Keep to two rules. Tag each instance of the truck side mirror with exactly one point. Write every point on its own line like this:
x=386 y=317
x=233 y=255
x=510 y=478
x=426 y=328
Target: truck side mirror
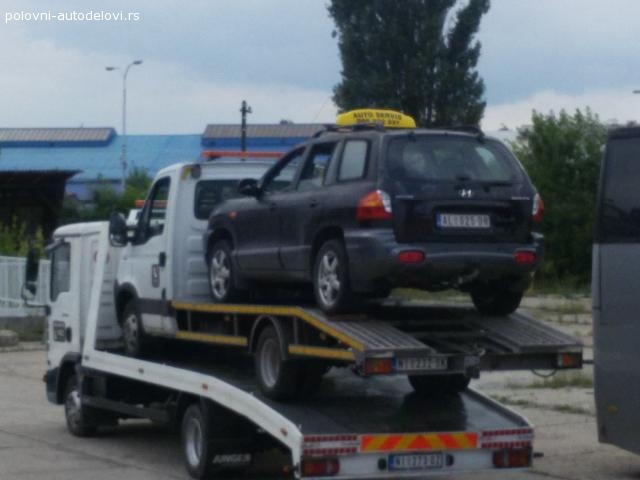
x=117 y=230
x=32 y=265
x=249 y=187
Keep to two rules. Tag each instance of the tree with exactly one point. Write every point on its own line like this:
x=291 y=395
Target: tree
x=409 y=55
x=562 y=155
x=105 y=199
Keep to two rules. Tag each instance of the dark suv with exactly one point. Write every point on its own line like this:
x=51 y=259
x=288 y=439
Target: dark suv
x=359 y=211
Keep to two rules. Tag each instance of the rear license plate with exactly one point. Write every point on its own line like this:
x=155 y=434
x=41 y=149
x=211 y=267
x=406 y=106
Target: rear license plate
x=408 y=364
x=424 y=461
x=455 y=220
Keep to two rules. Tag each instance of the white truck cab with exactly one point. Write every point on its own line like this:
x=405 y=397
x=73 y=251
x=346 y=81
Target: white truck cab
x=163 y=258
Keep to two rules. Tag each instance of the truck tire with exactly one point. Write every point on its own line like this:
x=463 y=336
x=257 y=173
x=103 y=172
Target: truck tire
x=435 y=385
x=196 y=442
x=78 y=416
x=278 y=379
x=331 y=283
x=135 y=341
x=223 y=274
x=495 y=299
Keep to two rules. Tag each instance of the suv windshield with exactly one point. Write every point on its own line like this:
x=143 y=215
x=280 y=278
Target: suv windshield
x=438 y=158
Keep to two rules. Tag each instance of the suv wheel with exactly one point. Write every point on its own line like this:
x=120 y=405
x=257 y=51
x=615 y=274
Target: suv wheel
x=496 y=299
x=331 y=278
x=222 y=273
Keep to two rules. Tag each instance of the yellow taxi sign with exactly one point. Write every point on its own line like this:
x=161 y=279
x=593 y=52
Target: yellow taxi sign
x=386 y=118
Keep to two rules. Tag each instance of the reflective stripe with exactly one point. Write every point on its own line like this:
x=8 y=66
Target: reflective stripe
x=322 y=352
x=269 y=310
x=210 y=338
x=415 y=442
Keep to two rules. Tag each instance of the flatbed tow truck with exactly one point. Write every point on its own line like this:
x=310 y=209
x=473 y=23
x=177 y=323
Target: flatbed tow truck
x=353 y=427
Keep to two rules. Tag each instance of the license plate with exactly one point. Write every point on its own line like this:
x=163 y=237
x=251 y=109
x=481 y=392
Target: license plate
x=454 y=220
x=408 y=364
x=424 y=461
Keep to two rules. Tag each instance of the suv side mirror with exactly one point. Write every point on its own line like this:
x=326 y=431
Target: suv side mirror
x=31 y=275
x=117 y=230
x=249 y=187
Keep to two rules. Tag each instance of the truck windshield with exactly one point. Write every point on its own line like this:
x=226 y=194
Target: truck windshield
x=443 y=158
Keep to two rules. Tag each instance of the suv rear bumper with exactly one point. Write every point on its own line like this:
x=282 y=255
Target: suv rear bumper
x=374 y=262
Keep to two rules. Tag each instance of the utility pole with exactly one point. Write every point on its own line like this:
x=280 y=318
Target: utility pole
x=244 y=109
x=123 y=153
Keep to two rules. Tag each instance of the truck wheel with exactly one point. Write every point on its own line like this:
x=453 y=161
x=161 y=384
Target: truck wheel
x=222 y=273
x=196 y=445
x=135 y=342
x=77 y=415
x=279 y=379
x=434 y=385
x=331 y=278
x=495 y=299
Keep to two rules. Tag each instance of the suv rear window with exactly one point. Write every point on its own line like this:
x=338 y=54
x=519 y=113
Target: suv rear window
x=438 y=158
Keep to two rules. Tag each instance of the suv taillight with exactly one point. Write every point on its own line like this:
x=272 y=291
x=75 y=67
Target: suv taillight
x=374 y=205
x=538 y=208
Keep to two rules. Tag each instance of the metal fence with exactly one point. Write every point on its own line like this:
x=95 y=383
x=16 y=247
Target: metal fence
x=12 y=271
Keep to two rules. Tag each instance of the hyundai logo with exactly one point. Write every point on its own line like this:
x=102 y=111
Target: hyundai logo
x=465 y=192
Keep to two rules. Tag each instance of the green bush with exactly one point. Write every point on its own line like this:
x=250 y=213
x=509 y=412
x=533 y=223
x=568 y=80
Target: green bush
x=562 y=154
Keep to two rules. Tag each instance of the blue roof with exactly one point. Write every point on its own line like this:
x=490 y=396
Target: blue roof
x=151 y=152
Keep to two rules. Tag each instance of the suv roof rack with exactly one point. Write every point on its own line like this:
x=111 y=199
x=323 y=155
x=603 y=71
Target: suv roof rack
x=475 y=129
x=330 y=128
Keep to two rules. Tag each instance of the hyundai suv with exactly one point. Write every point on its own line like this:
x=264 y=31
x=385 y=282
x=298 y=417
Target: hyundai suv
x=357 y=211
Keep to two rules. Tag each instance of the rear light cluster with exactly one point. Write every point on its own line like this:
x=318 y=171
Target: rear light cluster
x=378 y=366
x=538 y=208
x=374 y=205
x=570 y=360
x=320 y=467
x=524 y=257
x=513 y=458
x=411 y=256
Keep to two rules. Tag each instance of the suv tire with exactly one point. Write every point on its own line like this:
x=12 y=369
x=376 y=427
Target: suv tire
x=331 y=278
x=222 y=273
x=496 y=299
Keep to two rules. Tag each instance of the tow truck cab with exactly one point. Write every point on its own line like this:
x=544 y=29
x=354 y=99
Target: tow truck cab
x=162 y=258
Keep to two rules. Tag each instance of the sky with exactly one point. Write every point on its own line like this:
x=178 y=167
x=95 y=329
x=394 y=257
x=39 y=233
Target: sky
x=201 y=58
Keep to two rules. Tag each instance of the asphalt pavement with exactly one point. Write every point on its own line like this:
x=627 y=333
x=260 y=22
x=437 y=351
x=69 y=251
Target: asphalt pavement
x=35 y=445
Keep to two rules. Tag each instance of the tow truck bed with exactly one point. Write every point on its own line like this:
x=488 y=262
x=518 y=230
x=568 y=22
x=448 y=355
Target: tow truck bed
x=366 y=424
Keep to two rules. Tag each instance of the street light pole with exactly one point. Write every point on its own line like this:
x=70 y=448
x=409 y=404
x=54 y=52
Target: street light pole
x=123 y=153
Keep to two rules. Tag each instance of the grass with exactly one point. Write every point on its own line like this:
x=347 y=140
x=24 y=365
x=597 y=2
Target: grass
x=574 y=380
x=31 y=335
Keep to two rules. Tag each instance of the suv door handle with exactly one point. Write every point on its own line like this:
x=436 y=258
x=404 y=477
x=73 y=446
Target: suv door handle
x=313 y=203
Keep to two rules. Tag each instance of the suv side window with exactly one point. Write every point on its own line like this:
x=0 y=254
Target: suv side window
x=60 y=270
x=153 y=214
x=316 y=166
x=353 y=164
x=620 y=197
x=281 y=176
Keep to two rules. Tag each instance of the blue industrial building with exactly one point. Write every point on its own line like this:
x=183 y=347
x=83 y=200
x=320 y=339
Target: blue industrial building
x=39 y=166
x=92 y=155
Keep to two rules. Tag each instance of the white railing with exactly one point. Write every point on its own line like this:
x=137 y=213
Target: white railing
x=12 y=271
